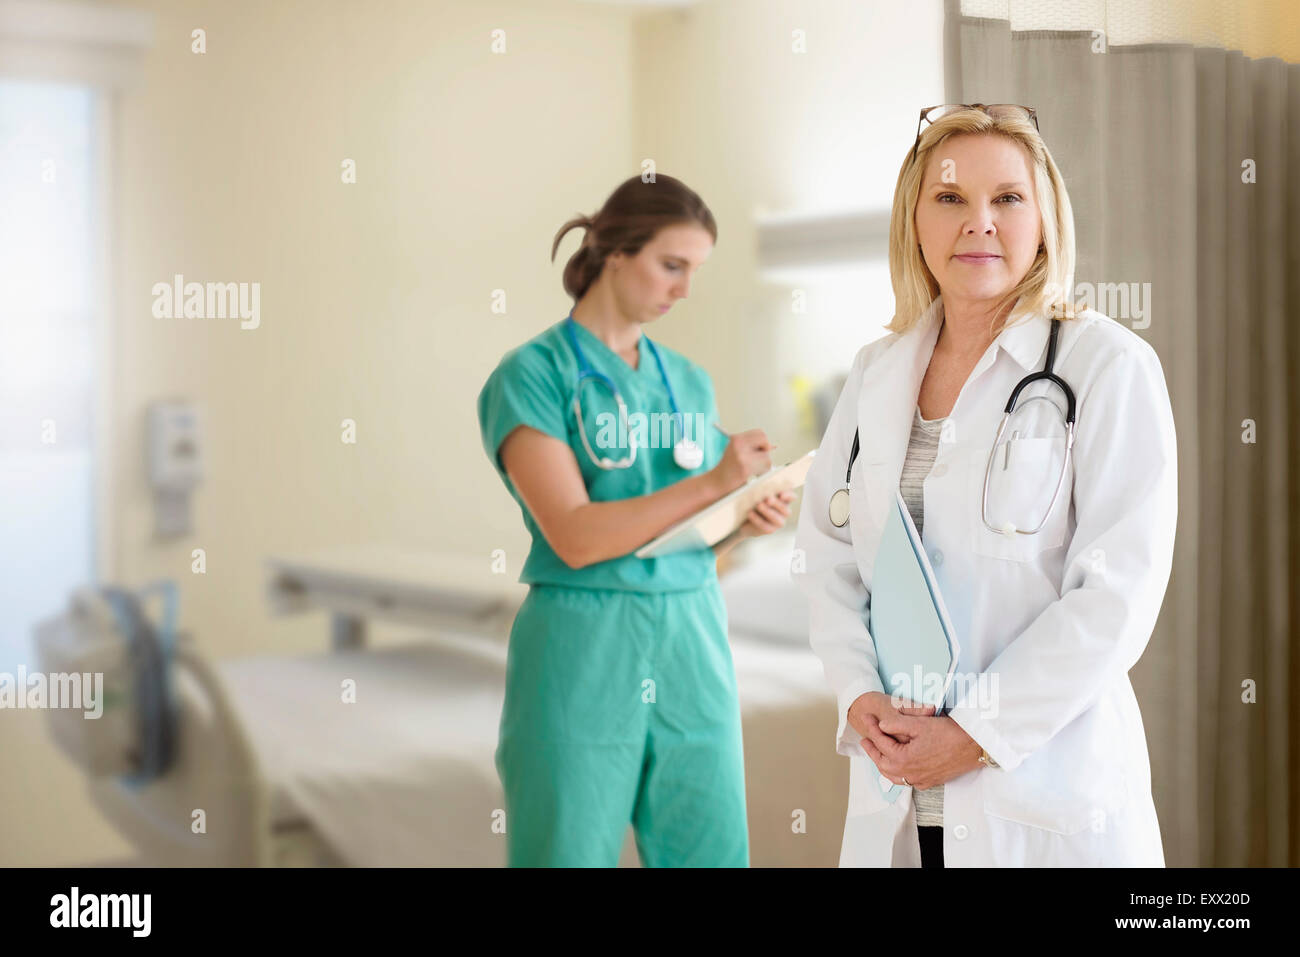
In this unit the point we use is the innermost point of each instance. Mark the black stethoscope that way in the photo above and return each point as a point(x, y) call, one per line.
point(839, 504)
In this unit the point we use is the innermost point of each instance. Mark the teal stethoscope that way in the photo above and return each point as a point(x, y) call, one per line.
point(839, 504)
point(687, 454)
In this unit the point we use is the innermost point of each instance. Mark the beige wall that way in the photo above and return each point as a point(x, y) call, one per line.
point(725, 102)
point(376, 297)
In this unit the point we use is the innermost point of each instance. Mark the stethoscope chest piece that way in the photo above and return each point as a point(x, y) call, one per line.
point(839, 505)
point(839, 509)
point(687, 454)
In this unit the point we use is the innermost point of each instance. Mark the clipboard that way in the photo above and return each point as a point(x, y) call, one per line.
point(715, 522)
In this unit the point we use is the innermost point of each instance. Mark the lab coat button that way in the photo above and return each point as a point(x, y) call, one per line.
point(936, 558)
point(960, 832)
point(939, 471)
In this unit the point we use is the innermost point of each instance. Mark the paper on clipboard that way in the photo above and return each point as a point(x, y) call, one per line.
point(715, 522)
point(916, 646)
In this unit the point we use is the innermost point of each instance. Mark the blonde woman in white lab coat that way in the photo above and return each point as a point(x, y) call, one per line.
point(1042, 759)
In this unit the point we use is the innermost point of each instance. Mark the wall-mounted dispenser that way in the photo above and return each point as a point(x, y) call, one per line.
point(175, 463)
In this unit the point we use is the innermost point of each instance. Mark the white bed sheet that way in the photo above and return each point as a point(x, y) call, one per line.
point(405, 776)
point(402, 777)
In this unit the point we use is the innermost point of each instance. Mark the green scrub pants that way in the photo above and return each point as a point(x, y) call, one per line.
point(621, 707)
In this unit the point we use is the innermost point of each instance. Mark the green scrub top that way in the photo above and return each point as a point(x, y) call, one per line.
point(534, 385)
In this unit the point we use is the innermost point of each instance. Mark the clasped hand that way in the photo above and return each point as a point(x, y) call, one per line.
point(910, 742)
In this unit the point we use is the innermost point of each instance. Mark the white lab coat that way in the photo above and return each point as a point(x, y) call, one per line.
point(1059, 617)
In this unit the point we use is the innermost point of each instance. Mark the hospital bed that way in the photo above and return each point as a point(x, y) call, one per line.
point(288, 773)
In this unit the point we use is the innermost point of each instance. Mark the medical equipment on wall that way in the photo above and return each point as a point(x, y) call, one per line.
point(106, 636)
point(687, 454)
point(175, 464)
point(839, 503)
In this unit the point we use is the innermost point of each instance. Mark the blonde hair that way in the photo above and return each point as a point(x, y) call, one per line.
point(1046, 287)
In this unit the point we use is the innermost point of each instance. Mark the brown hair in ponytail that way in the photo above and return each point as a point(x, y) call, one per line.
point(629, 219)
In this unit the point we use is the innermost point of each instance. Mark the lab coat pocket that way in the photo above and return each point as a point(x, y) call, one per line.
point(1077, 780)
point(871, 488)
point(1021, 483)
point(865, 796)
point(870, 497)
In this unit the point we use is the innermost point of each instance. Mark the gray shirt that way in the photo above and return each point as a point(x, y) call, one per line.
point(921, 452)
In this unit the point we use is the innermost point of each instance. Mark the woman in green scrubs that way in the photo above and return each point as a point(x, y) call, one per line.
point(621, 698)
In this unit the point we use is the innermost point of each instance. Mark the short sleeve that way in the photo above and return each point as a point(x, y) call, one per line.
point(522, 390)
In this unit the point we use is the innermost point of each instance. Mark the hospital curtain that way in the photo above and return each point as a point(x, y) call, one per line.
point(1176, 126)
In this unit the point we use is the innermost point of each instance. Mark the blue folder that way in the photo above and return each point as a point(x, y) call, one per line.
point(916, 647)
